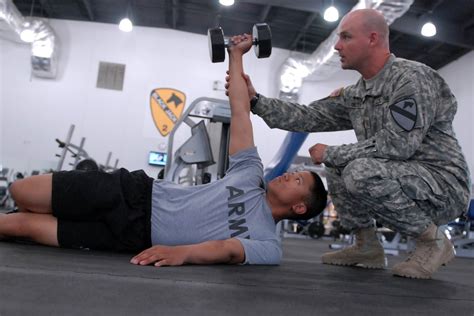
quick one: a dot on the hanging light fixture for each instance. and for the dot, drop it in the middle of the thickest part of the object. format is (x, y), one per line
(126, 24)
(28, 33)
(226, 2)
(428, 29)
(331, 14)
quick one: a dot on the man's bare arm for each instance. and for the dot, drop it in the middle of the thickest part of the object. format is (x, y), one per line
(228, 251)
(241, 132)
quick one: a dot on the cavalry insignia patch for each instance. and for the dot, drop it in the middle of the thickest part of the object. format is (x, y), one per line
(404, 113)
(166, 108)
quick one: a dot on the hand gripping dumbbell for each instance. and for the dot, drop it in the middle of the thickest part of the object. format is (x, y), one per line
(262, 41)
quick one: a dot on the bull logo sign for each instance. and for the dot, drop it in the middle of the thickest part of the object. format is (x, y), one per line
(166, 108)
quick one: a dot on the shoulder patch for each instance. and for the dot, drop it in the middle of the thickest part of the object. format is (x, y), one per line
(404, 113)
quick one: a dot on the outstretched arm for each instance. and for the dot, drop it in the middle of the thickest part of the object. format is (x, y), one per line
(228, 251)
(241, 133)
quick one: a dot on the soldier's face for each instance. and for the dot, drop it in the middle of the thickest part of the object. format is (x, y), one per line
(353, 44)
(292, 187)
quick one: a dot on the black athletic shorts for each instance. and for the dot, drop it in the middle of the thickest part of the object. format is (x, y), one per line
(107, 211)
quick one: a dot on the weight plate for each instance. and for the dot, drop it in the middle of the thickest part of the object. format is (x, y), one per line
(262, 35)
(216, 44)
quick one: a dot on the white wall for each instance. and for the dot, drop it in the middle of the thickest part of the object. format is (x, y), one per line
(36, 111)
(2, 44)
(460, 76)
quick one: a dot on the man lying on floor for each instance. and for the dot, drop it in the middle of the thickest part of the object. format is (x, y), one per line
(231, 220)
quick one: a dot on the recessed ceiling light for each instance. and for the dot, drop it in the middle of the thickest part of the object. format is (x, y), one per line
(428, 29)
(331, 14)
(126, 25)
(226, 2)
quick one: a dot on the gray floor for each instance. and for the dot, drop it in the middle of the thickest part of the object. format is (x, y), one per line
(37, 280)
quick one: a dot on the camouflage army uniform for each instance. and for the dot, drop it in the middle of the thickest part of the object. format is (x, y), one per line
(407, 169)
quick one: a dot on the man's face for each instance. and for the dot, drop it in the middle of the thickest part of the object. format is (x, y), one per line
(353, 43)
(292, 187)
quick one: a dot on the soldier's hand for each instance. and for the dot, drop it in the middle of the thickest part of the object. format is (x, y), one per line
(317, 153)
(250, 88)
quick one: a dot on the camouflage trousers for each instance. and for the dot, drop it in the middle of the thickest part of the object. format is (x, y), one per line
(402, 196)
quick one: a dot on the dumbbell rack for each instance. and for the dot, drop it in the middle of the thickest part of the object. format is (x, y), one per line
(79, 154)
(67, 145)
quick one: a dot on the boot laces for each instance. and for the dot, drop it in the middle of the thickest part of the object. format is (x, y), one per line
(422, 253)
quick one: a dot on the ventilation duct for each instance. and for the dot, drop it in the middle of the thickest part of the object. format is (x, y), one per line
(324, 61)
(10, 14)
(44, 44)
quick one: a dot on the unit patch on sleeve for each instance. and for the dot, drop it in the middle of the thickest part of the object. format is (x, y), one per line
(404, 113)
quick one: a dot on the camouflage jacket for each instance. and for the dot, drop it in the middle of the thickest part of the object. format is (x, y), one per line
(404, 113)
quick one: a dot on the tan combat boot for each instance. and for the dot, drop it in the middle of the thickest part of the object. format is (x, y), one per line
(366, 253)
(433, 249)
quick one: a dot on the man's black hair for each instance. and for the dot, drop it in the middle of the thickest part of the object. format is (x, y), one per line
(316, 201)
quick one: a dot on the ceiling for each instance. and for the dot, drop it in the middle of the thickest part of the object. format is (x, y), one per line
(296, 24)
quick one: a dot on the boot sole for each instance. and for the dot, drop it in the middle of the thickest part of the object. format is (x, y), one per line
(357, 265)
(421, 277)
(418, 277)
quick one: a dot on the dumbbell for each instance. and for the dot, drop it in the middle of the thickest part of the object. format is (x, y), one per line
(262, 41)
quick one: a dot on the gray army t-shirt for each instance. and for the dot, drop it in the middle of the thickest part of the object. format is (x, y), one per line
(232, 207)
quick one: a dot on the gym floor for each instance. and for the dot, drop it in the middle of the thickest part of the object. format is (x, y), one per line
(49, 281)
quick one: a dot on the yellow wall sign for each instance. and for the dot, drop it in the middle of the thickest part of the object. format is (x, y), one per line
(166, 108)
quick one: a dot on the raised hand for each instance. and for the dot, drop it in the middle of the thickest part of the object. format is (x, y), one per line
(240, 43)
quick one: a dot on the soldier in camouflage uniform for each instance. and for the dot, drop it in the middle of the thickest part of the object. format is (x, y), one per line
(407, 169)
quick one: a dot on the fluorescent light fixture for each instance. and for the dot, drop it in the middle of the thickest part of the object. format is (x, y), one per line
(428, 29)
(331, 14)
(126, 25)
(226, 2)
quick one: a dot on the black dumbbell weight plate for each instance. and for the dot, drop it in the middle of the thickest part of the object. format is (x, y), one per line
(215, 38)
(263, 36)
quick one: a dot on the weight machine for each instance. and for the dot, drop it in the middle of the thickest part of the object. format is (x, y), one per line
(196, 155)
